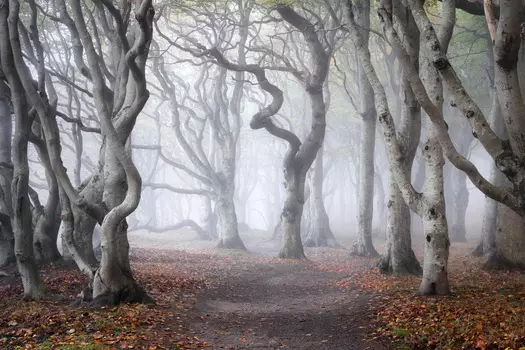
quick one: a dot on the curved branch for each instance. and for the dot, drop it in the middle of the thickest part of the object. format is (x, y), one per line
(203, 234)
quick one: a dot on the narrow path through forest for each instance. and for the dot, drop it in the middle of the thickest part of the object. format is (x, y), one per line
(270, 304)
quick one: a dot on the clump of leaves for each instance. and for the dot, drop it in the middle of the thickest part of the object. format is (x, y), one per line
(485, 310)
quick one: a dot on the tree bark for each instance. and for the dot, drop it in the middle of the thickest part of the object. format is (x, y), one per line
(459, 205)
(399, 258)
(21, 218)
(227, 229)
(291, 216)
(364, 246)
(319, 233)
(433, 215)
(7, 253)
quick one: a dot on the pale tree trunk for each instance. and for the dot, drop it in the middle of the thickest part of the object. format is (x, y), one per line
(433, 215)
(487, 243)
(509, 242)
(306, 220)
(433, 212)
(227, 223)
(458, 206)
(113, 281)
(430, 205)
(380, 198)
(46, 218)
(291, 216)
(21, 218)
(299, 156)
(7, 254)
(364, 246)
(319, 233)
(227, 229)
(399, 258)
(208, 218)
(459, 197)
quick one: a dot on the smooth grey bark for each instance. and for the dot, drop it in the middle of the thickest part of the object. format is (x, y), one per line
(299, 156)
(364, 245)
(509, 242)
(21, 218)
(487, 243)
(208, 218)
(46, 220)
(458, 199)
(430, 204)
(227, 224)
(113, 281)
(399, 258)
(380, 197)
(458, 206)
(7, 254)
(319, 233)
(433, 215)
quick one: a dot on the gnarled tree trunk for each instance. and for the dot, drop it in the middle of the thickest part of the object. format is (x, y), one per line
(21, 219)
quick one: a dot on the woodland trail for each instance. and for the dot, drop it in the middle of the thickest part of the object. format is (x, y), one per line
(271, 304)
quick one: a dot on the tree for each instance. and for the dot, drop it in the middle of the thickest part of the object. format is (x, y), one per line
(114, 192)
(430, 204)
(7, 255)
(399, 257)
(364, 246)
(219, 115)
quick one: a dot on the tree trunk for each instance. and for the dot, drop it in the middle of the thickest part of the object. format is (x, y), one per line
(487, 243)
(46, 218)
(458, 212)
(209, 218)
(380, 196)
(113, 281)
(227, 222)
(291, 218)
(7, 254)
(364, 246)
(399, 258)
(21, 218)
(319, 233)
(509, 252)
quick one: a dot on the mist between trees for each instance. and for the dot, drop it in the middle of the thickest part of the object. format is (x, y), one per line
(316, 123)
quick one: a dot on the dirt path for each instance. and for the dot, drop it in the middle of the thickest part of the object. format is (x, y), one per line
(273, 304)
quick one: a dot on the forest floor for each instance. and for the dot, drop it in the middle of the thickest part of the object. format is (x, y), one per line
(250, 300)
